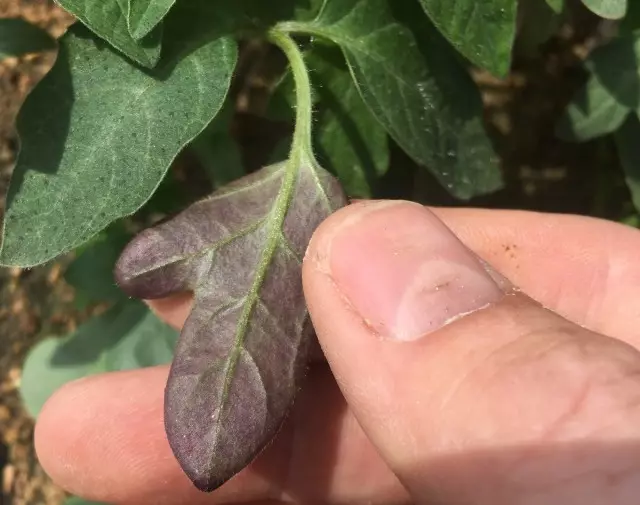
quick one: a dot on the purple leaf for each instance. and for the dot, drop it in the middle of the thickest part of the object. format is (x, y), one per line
(243, 350)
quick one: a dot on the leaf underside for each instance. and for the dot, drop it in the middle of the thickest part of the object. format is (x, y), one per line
(98, 135)
(243, 349)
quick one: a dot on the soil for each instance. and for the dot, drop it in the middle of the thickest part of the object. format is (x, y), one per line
(541, 173)
(33, 303)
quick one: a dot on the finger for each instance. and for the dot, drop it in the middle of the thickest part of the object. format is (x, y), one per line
(472, 392)
(103, 438)
(174, 309)
(585, 269)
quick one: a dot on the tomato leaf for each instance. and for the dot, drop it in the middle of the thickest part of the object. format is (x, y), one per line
(631, 21)
(127, 336)
(425, 99)
(627, 140)
(483, 31)
(143, 16)
(18, 37)
(540, 23)
(611, 92)
(608, 9)
(592, 113)
(74, 500)
(243, 349)
(108, 20)
(91, 272)
(556, 5)
(217, 150)
(349, 140)
(98, 135)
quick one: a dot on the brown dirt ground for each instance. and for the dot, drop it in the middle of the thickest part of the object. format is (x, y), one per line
(33, 303)
(542, 173)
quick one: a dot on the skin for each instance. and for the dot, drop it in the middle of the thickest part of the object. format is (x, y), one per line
(519, 402)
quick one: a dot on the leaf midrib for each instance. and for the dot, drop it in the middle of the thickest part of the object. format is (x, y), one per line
(276, 222)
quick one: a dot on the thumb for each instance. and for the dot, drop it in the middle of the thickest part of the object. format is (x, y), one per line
(472, 392)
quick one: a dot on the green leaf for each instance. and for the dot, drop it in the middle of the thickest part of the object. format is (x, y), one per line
(145, 15)
(482, 30)
(608, 9)
(426, 101)
(127, 336)
(592, 113)
(244, 346)
(91, 273)
(108, 21)
(628, 142)
(541, 22)
(349, 140)
(347, 137)
(74, 500)
(556, 5)
(18, 37)
(217, 150)
(99, 134)
(631, 21)
(616, 65)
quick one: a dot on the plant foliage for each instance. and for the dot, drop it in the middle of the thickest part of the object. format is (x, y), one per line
(138, 82)
(19, 37)
(609, 103)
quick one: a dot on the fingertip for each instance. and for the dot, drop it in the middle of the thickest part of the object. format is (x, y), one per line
(174, 309)
(81, 429)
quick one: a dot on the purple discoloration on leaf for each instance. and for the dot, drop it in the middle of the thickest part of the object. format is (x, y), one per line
(243, 349)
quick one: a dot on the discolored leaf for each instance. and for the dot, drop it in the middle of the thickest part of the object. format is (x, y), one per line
(483, 31)
(627, 141)
(108, 20)
(98, 135)
(243, 349)
(426, 100)
(18, 37)
(127, 336)
(145, 15)
(609, 9)
(592, 113)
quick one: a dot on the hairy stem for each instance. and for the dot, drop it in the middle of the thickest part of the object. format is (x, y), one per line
(301, 149)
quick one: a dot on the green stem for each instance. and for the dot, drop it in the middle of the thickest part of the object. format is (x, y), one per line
(301, 149)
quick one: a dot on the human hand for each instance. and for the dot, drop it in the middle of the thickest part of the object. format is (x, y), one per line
(508, 404)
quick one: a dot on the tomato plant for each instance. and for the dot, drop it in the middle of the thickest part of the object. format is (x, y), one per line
(137, 82)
